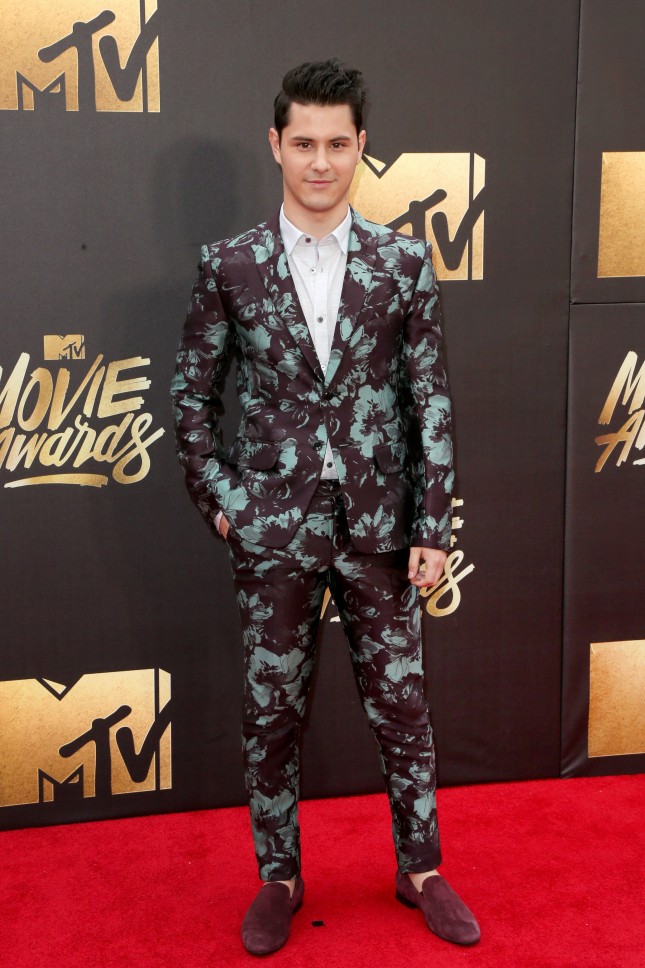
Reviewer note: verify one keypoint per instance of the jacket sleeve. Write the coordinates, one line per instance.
(202, 359)
(429, 413)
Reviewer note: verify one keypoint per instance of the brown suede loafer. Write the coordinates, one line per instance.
(267, 922)
(445, 913)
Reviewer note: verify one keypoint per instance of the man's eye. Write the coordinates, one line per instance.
(303, 144)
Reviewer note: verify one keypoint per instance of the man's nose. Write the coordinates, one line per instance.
(320, 162)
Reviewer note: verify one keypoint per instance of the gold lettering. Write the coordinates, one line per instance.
(627, 435)
(448, 583)
(111, 436)
(50, 452)
(90, 399)
(632, 386)
(10, 392)
(26, 448)
(82, 480)
(44, 398)
(108, 406)
(139, 427)
(58, 412)
(6, 439)
(87, 445)
(41, 379)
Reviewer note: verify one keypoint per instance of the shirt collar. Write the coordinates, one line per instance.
(292, 235)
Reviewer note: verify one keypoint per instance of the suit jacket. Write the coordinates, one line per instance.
(383, 402)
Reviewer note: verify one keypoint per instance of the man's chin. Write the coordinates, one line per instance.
(320, 202)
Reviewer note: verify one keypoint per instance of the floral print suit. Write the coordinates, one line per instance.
(384, 407)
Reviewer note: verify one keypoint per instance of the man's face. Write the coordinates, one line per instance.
(318, 152)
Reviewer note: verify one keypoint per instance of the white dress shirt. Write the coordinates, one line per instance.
(318, 271)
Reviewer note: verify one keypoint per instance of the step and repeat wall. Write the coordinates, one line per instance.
(603, 726)
(134, 131)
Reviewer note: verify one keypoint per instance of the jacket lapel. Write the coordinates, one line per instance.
(273, 266)
(361, 256)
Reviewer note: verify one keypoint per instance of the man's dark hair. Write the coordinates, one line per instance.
(324, 82)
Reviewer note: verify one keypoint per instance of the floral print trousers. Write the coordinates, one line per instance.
(280, 593)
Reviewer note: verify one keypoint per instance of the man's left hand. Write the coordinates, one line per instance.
(434, 561)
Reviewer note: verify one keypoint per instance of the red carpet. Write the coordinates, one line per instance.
(553, 869)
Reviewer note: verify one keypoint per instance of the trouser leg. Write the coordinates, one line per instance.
(279, 596)
(381, 616)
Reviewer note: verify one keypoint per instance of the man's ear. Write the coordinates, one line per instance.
(274, 141)
(361, 144)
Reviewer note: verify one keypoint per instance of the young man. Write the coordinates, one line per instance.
(340, 476)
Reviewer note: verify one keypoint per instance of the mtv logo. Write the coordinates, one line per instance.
(81, 55)
(51, 97)
(621, 241)
(68, 790)
(437, 197)
(106, 734)
(64, 347)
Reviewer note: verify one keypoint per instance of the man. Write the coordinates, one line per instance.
(340, 476)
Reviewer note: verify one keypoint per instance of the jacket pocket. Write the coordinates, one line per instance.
(390, 458)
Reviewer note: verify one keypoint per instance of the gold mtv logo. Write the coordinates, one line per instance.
(64, 347)
(106, 734)
(79, 55)
(438, 197)
(621, 242)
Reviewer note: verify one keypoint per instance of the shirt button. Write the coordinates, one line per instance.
(329, 464)
(312, 270)
(321, 319)
(307, 240)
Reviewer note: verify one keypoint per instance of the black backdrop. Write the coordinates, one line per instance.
(104, 211)
(605, 565)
